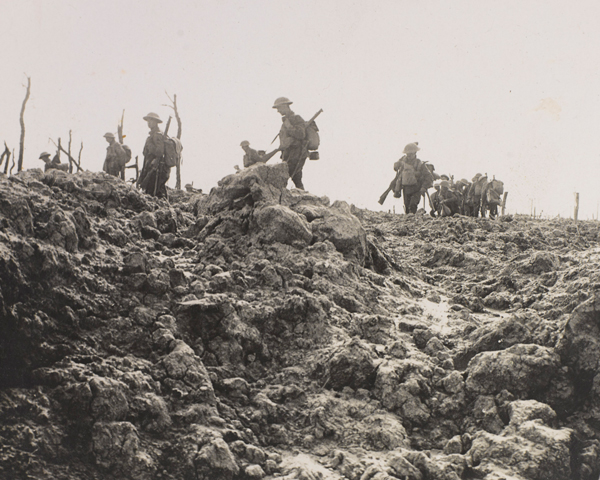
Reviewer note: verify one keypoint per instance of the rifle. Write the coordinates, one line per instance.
(390, 188)
(266, 157)
(164, 154)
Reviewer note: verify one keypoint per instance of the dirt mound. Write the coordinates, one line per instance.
(258, 332)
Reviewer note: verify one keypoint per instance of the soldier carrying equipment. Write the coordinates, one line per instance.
(116, 156)
(295, 141)
(160, 154)
(413, 178)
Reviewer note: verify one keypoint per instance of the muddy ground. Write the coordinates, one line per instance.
(260, 332)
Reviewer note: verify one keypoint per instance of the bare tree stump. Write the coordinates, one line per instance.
(22, 121)
(179, 127)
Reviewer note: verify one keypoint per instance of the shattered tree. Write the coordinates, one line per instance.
(22, 122)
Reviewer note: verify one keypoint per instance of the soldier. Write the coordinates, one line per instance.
(251, 156)
(155, 173)
(53, 164)
(449, 202)
(434, 199)
(474, 195)
(413, 178)
(116, 157)
(293, 142)
(461, 187)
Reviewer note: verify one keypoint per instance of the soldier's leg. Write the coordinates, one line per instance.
(414, 201)
(295, 166)
(406, 200)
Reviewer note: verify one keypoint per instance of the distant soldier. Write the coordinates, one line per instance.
(413, 178)
(461, 187)
(53, 164)
(474, 197)
(292, 138)
(251, 156)
(449, 202)
(434, 199)
(155, 173)
(116, 157)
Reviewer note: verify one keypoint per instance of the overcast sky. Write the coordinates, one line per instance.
(507, 88)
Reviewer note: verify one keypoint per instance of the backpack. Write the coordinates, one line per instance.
(498, 186)
(312, 135)
(124, 160)
(173, 149)
(479, 185)
(494, 192)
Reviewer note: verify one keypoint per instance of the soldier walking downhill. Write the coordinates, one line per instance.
(413, 178)
(155, 173)
(292, 138)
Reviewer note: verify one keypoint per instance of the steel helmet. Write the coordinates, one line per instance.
(476, 177)
(464, 181)
(44, 154)
(244, 143)
(109, 135)
(153, 116)
(445, 183)
(282, 101)
(411, 148)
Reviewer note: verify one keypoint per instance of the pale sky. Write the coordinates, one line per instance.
(507, 88)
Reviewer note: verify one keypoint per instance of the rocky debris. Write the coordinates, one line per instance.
(260, 332)
(530, 450)
(521, 369)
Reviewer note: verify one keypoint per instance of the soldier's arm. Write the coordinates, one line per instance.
(296, 127)
(156, 145)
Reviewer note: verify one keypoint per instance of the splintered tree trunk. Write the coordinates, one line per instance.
(13, 162)
(22, 120)
(178, 118)
(120, 135)
(5, 156)
(79, 158)
(576, 213)
(69, 154)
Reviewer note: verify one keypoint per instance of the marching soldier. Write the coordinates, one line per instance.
(292, 137)
(116, 157)
(155, 173)
(413, 178)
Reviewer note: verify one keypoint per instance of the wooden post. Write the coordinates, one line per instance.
(576, 206)
(504, 203)
(22, 121)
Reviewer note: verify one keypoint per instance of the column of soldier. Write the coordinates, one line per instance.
(414, 178)
(299, 141)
